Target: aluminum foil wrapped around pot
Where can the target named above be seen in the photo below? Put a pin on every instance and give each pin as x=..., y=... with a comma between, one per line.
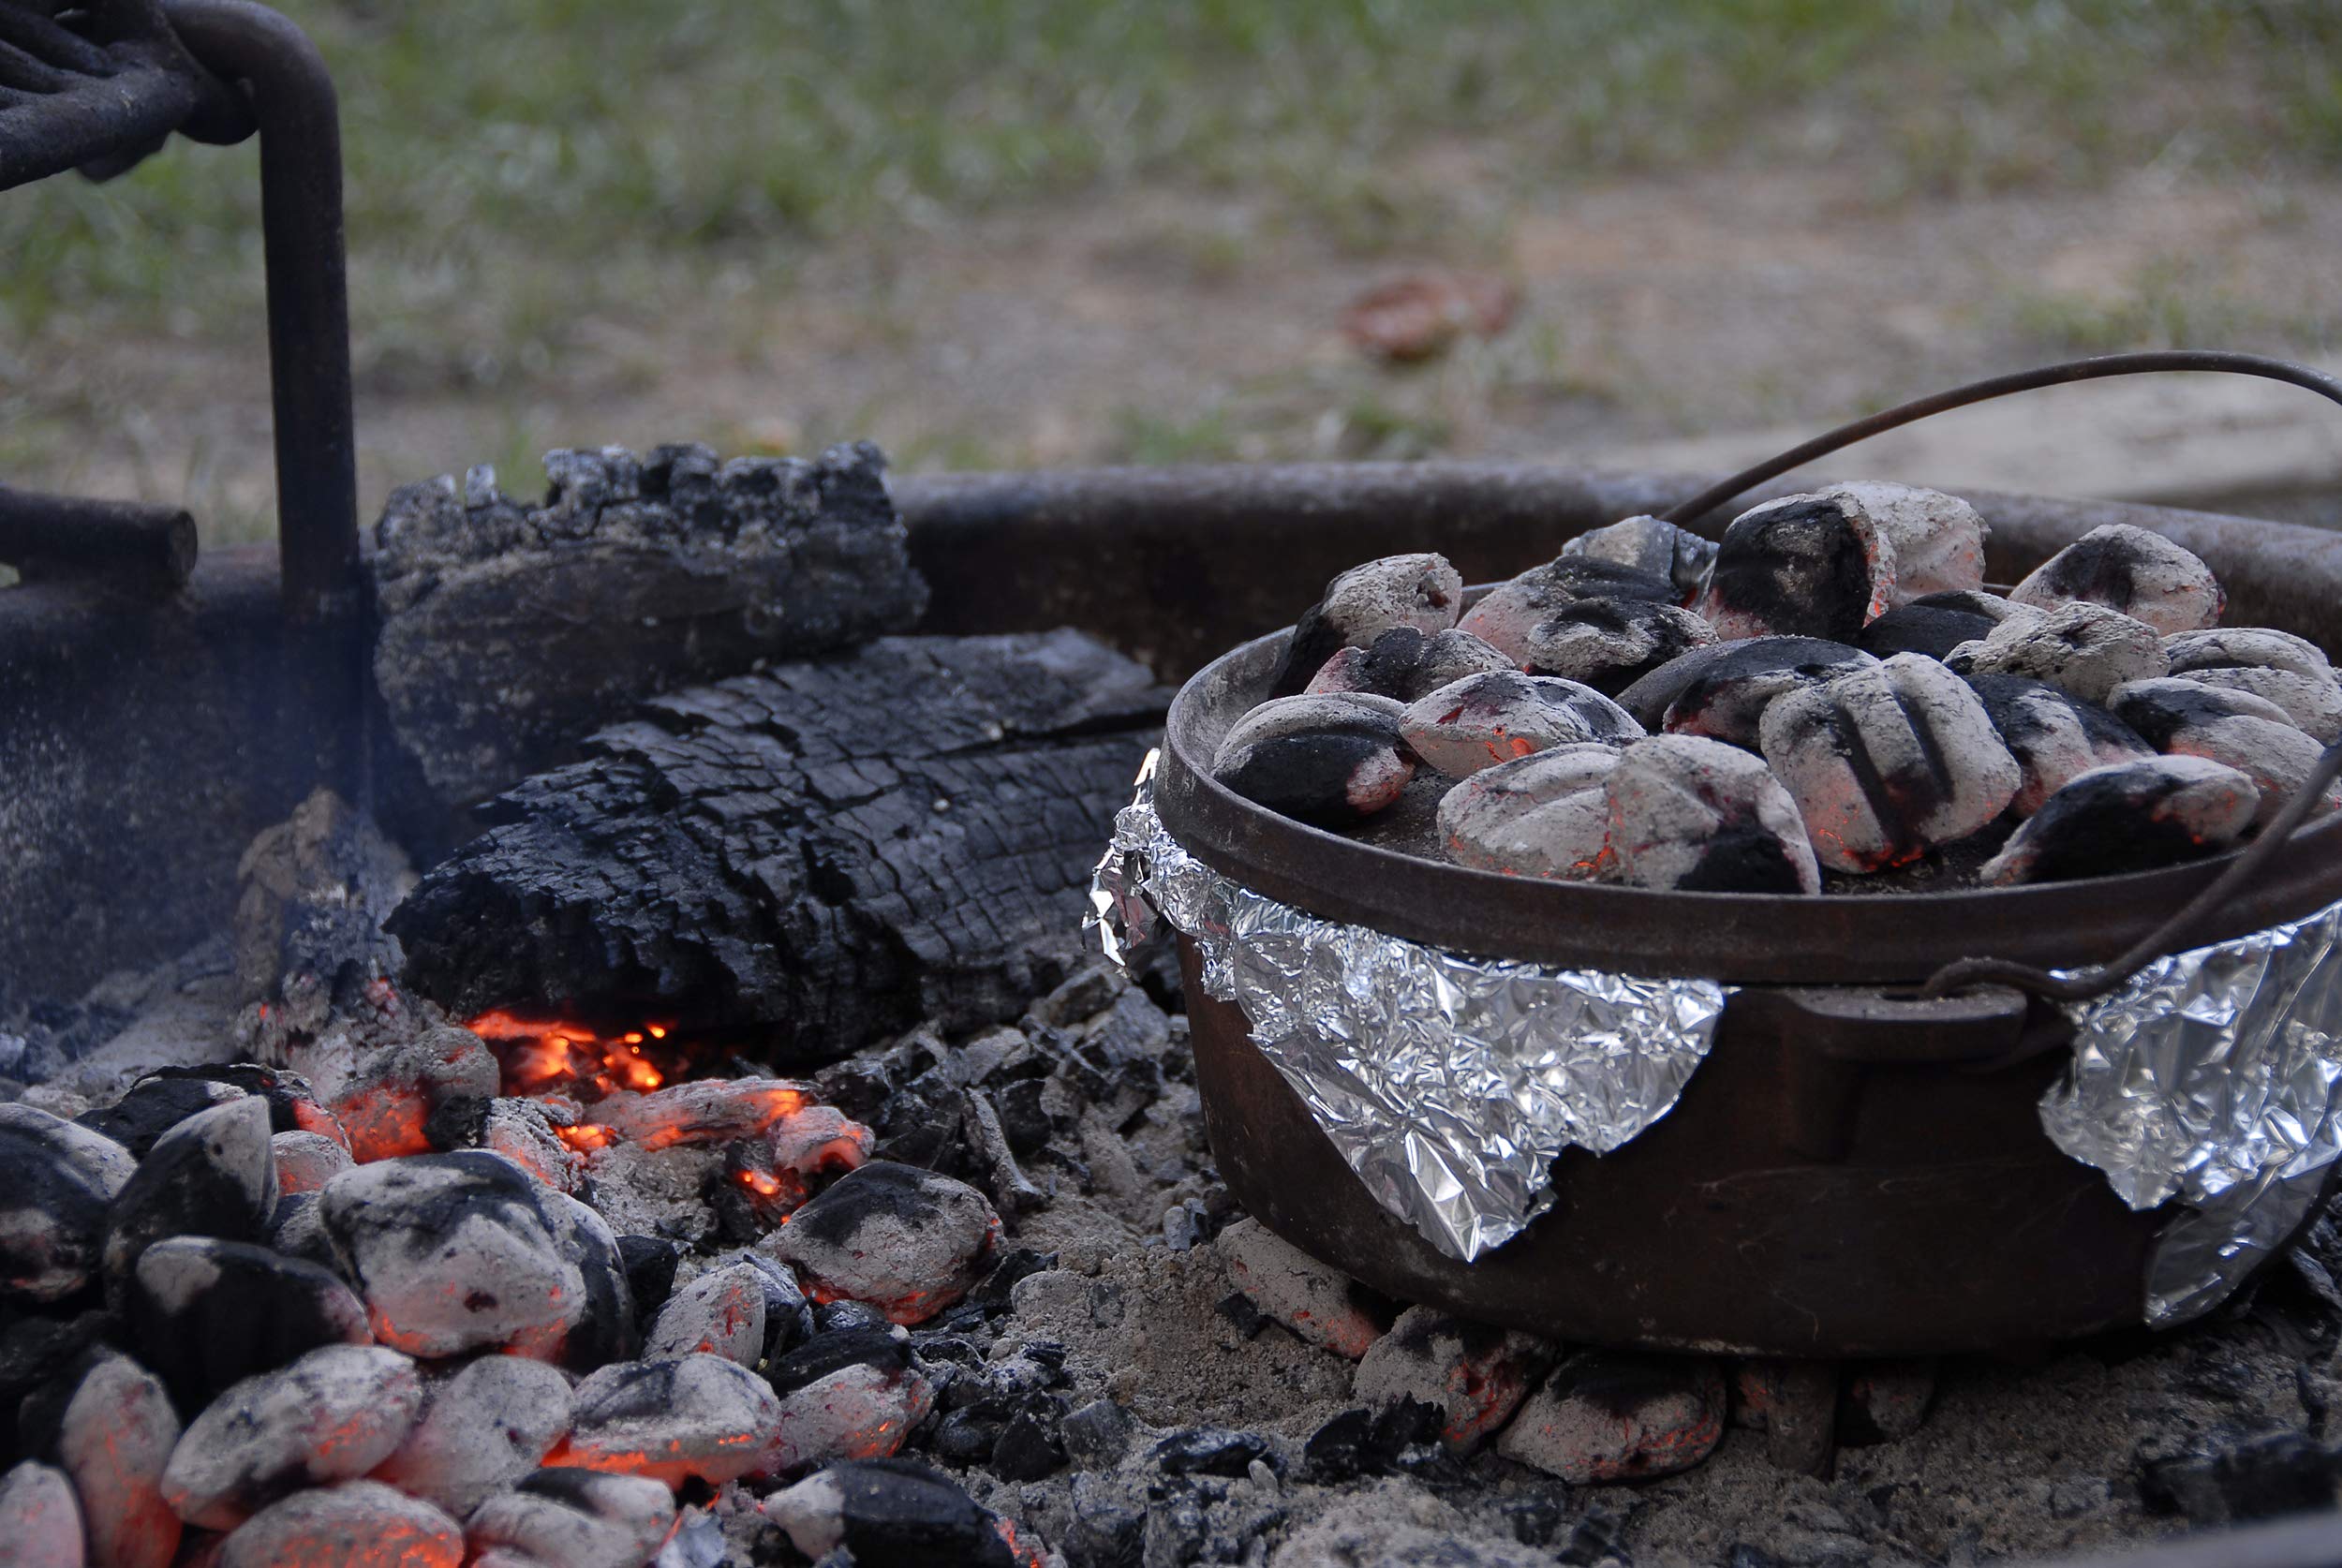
x=2213, y=1076
x=1448, y=1083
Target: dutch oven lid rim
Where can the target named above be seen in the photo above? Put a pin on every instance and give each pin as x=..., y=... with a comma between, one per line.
x=1736, y=938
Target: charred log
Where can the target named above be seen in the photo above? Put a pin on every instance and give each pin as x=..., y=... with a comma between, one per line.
x=511, y=632
x=820, y=853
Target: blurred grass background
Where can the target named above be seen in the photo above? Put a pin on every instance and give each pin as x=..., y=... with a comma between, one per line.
x=545, y=195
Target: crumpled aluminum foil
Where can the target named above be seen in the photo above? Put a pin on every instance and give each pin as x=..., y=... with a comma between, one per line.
x=1448, y=1083
x=2215, y=1076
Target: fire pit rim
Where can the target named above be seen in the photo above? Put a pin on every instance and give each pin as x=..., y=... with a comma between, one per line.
x=1736, y=937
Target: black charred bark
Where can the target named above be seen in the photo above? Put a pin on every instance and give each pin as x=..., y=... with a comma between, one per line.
x=814, y=855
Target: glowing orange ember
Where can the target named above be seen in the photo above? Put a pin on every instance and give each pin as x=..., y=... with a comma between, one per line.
x=550, y=1054
x=587, y=1137
x=763, y=1186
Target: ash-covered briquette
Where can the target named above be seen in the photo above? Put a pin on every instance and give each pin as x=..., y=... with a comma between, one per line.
x=2133, y=816
x=1403, y=664
x=1610, y=644
x=1722, y=691
x=1605, y=1417
x=1509, y=612
x=2054, y=735
x=1331, y=761
x=355, y=1524
x=463, y=1251
x=1888, y=763
x=1974, y=601
x=567, y=1517
x=2126, y=569
x=1924, y=628
x=689, y=1417
x=482, y=1429
x=2083, y=647
x=1542, y=815
x=1804, y=566
x=719, y=1313
x=1422, y=591
x=1698, y=816
x=208, y=1313
x=2244, y=648
x=1482, y=721
x=907, y=1241
x=57, y=1182
x=888, y=1514
x=109, y=1424
x=1652, y=545
x=2312, y=703
x=1476, y=1373
x=2180, y=716
x=386, y=1107
x=332, y=1415
x=41, y=1516
x=214, y=1174
x=1937, y=541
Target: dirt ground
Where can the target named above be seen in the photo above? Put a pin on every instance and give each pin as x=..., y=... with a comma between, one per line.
x=1157, y=324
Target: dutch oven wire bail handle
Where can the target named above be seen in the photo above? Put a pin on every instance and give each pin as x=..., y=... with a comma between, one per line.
x=2078, y=984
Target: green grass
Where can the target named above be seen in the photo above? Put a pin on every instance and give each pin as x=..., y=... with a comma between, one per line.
x=490, y=145
x=516, y=167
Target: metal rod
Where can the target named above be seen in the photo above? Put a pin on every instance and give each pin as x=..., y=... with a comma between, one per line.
x=2064, y=372
x=280, y=70
x=128, y=544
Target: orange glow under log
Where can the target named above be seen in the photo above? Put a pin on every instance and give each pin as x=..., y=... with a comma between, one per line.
x=545, y=1054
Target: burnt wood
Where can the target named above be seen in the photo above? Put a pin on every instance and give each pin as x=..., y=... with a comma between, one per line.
x=813, y=855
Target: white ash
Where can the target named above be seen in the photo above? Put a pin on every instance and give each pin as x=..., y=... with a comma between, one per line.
x=1610, y=644
x=358, y=1524
x=2054, y=735
x=482, y=1428
x=1482, y=721
x=2129, y=570
x=1649, y=544
x=1887, y=763
x=332, y=1415
x=57, y=1181
x=2085, y=648
x=1699, y=816
x=1802, y=566
x=1937, y=540
x=706, y=1111
x=1542, y=814
x=2184, y=716
x=1403, y=664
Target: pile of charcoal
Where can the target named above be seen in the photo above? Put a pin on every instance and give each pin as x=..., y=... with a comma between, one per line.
x=1827, y=695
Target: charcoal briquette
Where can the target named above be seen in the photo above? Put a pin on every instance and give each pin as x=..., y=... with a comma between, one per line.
x=332, y=1415
x=208, y=1313
x=1330, y=761
x=58, y=1182
x=213, y=1174
x=1482, y=721
x=2131, y=816
x=1804, y=566
x=1722, y=691
x=1403, y=664
x=1937, y=541
x=2083, y=647
x=1422, y=591
x=1610, y=644
x=2132, y=572
x=2054, y=735
x=2180, y=716
x=1924, y=628
x=1693, y=815
x=1650, y=545
x=1542, y=814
